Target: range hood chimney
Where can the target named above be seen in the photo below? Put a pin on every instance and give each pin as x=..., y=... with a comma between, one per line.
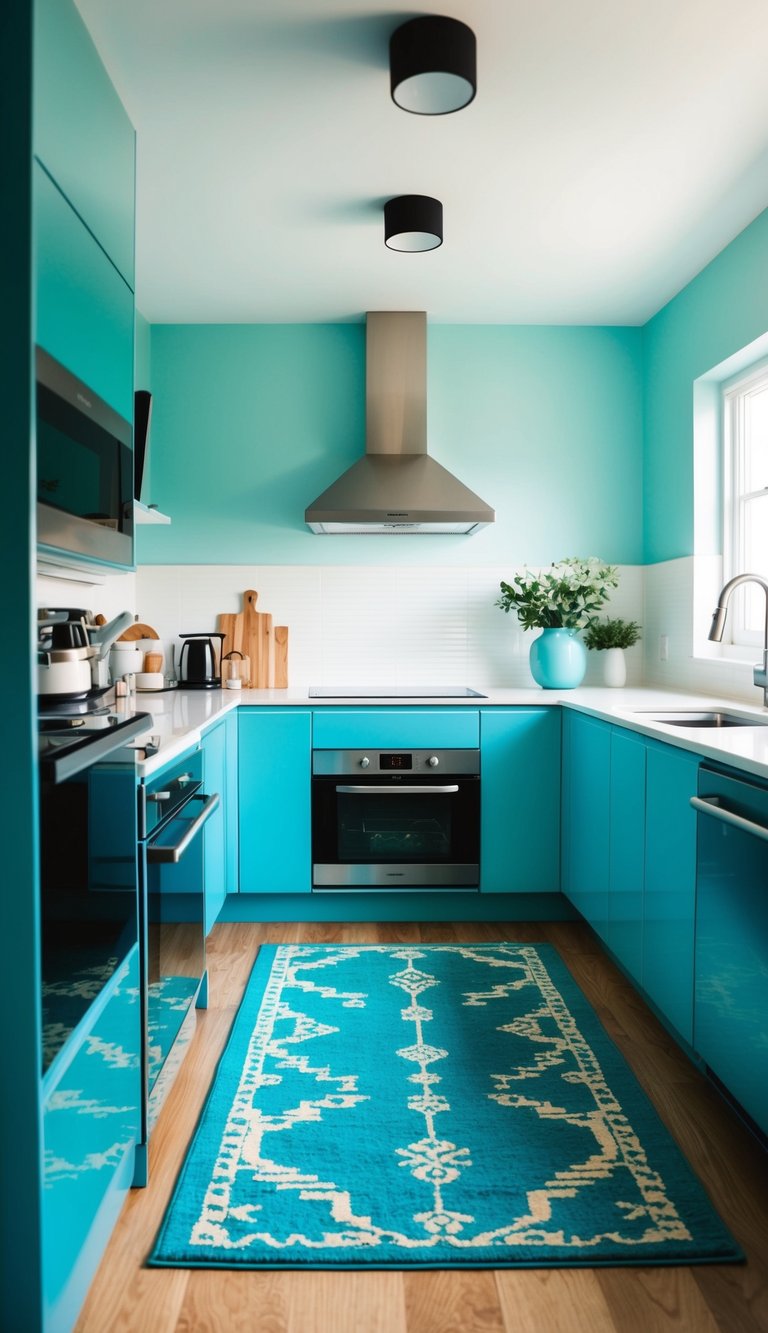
x=396, y=488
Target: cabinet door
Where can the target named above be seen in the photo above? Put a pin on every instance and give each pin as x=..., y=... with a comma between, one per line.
x=84, y=309
x=520, y=800
x=623, y=928
x=215, y=830
x=586, y=780
x=670, y=884
x=231, y=816
x=91, y=1106
x=274, y=765
x=82, y=133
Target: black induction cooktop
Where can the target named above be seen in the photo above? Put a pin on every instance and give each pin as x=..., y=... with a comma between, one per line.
x=390, y=692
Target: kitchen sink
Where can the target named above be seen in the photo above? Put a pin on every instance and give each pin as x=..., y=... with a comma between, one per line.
x=685, y=718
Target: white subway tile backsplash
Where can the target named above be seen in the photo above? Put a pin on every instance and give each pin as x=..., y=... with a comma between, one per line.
x=372, y=624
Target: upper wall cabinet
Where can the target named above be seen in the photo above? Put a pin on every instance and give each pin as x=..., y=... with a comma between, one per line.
x=83, y=308
x=82, y=134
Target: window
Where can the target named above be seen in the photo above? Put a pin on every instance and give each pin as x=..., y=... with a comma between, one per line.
x=745, y=497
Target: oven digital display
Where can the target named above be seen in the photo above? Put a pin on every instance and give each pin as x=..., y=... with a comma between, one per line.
x=395, y=761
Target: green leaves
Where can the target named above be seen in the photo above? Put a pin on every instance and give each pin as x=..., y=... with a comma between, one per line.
x=612, y=633
x=566, y=596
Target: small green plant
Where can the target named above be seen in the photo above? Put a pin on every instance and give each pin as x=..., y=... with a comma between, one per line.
x=566, y=596
x=612, y=634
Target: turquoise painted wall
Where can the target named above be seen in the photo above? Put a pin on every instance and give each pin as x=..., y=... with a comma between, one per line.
x=250, y=423
x=722, y=310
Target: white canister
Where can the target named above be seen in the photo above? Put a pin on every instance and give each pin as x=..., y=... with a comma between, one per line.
x=125, y=659
x=614, y=667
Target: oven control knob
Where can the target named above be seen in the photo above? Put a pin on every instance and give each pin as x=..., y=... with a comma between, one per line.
x=365, y=761
x=433, y=761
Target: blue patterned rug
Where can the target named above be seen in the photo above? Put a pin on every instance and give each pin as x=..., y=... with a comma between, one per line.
x=429, y=1106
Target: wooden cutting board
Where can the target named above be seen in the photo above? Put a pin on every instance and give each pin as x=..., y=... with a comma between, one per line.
x=258, y=642
x=281, y=657
x=232, y=626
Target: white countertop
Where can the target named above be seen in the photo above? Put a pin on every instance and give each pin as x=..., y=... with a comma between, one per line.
x=180, y=717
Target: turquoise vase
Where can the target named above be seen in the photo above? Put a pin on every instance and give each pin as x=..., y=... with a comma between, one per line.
x=558, y=659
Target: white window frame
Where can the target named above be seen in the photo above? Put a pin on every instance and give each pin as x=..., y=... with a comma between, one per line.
x=735, y=392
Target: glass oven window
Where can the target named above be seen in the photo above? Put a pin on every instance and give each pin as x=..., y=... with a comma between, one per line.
x=79, y=465
x=88, y=881
x=394, y=828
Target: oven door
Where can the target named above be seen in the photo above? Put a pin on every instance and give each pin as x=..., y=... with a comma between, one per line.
x=396, y=832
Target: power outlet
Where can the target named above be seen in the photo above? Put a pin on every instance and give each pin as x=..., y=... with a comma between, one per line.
x=663, y=647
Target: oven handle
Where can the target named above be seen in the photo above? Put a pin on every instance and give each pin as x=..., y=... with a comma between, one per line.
x=164, y=855
x=398, y=791
x=710, y=805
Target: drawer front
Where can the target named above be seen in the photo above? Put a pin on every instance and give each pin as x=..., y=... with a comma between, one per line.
x=406, y=728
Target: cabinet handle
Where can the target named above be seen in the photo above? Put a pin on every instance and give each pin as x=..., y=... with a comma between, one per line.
x=165, y=855
x=711, y=805
x=398, y=791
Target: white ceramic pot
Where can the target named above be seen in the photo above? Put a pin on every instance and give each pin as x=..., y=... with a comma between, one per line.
x=73, y=677
x=614, y=667
x=125, y=660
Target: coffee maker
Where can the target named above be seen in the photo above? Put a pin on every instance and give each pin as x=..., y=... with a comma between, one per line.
x=200, y=661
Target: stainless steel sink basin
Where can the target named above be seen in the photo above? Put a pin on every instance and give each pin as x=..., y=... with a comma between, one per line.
x=691, y=718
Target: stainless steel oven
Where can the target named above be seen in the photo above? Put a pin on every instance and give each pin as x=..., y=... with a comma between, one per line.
x=395, y=819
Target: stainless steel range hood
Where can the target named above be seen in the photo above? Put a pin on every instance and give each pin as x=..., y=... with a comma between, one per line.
x=396, y=488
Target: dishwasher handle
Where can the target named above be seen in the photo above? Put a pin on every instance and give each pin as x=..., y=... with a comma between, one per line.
x=172, y=855
x=712, y=805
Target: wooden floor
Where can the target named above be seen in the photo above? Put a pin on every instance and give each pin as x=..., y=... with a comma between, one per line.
x=128, y=1298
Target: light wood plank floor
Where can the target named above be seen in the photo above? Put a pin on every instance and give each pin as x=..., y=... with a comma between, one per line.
x=128, y=1298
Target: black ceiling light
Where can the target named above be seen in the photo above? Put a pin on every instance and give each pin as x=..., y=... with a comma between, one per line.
x=433, y=65
x=413, y=222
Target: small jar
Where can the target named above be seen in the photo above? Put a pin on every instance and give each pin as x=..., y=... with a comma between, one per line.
x=235, y=670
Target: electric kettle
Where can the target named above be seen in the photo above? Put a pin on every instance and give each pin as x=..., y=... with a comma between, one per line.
x=200, y=661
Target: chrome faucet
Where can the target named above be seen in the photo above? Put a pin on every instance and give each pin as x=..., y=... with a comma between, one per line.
x=760, y=673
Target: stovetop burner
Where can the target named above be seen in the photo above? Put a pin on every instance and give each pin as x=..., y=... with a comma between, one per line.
x=394, y=692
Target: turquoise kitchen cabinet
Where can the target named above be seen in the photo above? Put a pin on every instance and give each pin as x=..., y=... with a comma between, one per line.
x=398, y=728
x=731, y=953
x=622, y=929
x=91, y=1108
x=82, y=133
x=274, y=766
x=84, y=310
x=215, y=831
x=520, y=800
x=669, y=904
x=586, y=803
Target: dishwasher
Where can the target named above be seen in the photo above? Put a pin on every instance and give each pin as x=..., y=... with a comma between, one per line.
x=731, y=951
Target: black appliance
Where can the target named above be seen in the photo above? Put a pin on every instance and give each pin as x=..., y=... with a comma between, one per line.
x=396, y=820
x=84, y=471
x=88, y=862
x=173, y=810
x=200, y=661
x=142, y=415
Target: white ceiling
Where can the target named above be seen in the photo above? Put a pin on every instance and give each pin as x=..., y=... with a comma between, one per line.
x=613, y=148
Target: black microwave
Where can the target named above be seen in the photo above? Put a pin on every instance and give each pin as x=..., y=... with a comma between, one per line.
x=84, y=471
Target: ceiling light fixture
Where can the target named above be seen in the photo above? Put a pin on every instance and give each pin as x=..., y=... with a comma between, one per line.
x=433, y=65
x=413, y=222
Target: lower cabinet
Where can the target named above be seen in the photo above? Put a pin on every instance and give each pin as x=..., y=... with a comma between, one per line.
x=274, y=766
x=622, y=926
x=670, y=884
x=586, y=797
x=629, y=848
x=92, y=1109
x=520, y=800
x=220, y=836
